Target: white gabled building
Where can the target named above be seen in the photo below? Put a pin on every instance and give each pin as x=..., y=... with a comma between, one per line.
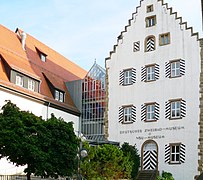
x=154, y=91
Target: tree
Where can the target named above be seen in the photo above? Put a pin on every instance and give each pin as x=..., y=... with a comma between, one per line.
x=129, y=150
x=105, y=162
x=48, y=148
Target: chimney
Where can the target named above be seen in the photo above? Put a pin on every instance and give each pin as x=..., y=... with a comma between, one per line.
x=23, y=38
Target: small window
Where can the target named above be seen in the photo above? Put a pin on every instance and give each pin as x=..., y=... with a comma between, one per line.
x=59, y=96
x=43, y=57
x=175, y=109
x=19, y=80
x=150, y=73
x=175, y=153
x=175, y=68
x=164, y=39
x=150, y=21
x=31, y=84
x=150, y=112
x=150, y=8
x=127, y=112
x=128, y=77
x=56, y=95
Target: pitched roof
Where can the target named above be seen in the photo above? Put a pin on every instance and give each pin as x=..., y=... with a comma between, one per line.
x=57, y=68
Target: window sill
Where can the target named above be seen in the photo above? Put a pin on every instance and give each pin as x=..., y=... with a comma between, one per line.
x=164, y=44
x=175, y=118
x=174, y=163
x=150, y=80
x=173, y=77
x=127, y=122
x=127, y=84
x=148, y=121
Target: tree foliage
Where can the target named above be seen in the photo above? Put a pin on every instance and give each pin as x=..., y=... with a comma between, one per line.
x=48, y=148
x=106, y=162
x=129, y=150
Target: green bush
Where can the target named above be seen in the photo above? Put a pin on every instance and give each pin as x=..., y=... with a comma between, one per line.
x=165, y=176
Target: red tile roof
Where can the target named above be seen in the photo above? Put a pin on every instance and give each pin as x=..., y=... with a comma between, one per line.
x=57, y=68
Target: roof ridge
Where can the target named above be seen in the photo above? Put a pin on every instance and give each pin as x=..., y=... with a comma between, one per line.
x=171, y=13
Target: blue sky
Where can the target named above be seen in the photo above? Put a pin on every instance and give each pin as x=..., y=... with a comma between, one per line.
x=83, y=30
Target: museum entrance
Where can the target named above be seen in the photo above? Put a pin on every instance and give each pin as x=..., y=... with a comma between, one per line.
x=149, y=155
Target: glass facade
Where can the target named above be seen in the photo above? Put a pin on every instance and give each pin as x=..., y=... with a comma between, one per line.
x=93, y=104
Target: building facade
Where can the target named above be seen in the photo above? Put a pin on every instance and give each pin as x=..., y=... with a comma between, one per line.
x=154, y=90
x=89, y=95
x=33, y=76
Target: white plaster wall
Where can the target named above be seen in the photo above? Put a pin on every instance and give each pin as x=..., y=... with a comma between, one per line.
x=39, y=110
x=182, y=46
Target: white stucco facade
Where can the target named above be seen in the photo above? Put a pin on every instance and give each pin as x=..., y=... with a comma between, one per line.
x=163, y=131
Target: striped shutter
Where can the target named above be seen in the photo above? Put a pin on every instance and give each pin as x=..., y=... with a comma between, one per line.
x=167, y=153
x=182, y=67
x=156, y=71
x=183, y=108
x=143, y=73
x=182, y=153
x=167, y=109
x=121, y=78
x=150, y=44
x=156, y=113
x=133, y=75
x=133, y=113
x=167, y=69
x=121, y=114
x=143, y=112
x=136, y=46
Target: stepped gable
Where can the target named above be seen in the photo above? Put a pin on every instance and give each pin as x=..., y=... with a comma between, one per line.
x=133, y=16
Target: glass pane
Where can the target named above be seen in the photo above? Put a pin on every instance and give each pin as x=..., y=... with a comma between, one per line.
x=173, y=157
x=177, y=157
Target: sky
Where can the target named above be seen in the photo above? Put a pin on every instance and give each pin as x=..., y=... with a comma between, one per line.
x=83, y=30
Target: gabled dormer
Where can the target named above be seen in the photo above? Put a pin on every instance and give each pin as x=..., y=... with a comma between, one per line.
x=41, y=54
x=21, y=77
x=55, y=87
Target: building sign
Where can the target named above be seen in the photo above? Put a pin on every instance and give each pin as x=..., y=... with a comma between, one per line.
x=151, y=131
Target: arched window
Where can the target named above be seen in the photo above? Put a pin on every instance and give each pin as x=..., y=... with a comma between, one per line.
x=150, y=43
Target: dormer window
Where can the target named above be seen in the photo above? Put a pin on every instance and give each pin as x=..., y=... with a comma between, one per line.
x=59, y=95
x=41, y=55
